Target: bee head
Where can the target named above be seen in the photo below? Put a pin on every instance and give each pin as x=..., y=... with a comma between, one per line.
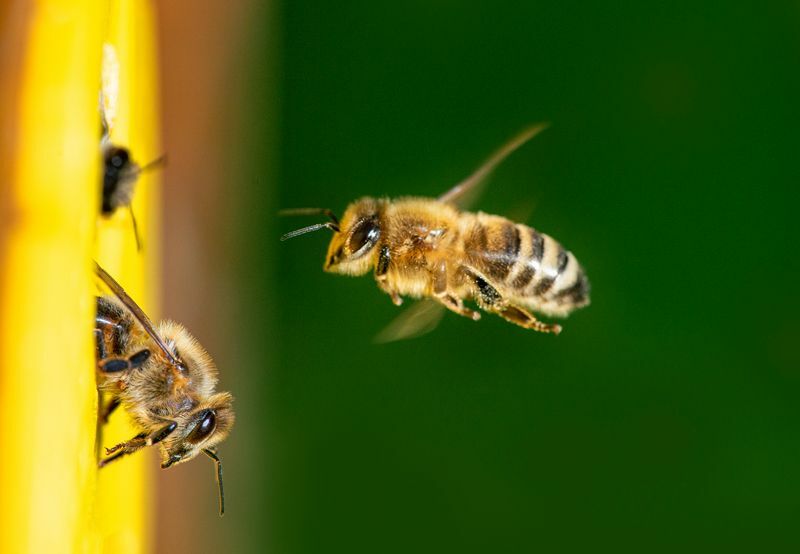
x=352, y=250
x=118, y=170
x=199, y=430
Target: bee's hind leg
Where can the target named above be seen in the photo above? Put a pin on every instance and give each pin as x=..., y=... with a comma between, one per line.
x=492, y=301
x=523, y=318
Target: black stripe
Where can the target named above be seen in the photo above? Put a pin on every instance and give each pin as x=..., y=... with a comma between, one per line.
x=521, y=281
x=512, y=242
x=501, y=265
x=577, y=292
x=101, y=344
x=116, y=339
x=562, y=260
x=476, y=242
x=537, y=251
x=543, y=286
x=138, y=359
x=537, y=248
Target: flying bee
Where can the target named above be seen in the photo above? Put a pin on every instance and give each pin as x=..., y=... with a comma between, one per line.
x=165, y=381
x=428, y=248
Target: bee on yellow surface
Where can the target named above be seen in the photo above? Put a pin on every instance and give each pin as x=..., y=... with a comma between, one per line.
x=428, y=248
x=163, y=378
x=120, y=174
x=120, y=171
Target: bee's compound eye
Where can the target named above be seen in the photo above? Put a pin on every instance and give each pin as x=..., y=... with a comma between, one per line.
x=204, y=428
x=364, y=236
x=118, y=158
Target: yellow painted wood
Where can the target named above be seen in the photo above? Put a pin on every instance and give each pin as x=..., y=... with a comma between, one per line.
x=53, y=498
x=49, y=186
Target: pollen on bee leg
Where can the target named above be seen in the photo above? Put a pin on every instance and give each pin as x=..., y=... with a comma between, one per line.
x=396, y=299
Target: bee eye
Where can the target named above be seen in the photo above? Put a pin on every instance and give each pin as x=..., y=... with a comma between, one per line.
x=118, y=158
x=364, y=236
x=204, y=428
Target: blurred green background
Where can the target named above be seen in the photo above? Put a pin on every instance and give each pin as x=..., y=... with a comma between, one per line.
x=663, y=417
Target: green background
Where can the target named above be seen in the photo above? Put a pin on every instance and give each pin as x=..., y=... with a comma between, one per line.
x=665, y=416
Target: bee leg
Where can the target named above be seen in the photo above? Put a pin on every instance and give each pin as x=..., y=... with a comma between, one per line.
x=455, y=304
x=124, y=448
x=396, y=298
x=523, y=318
x=442, y=295
x=137, y=443
x=108, y=409
x=115, y=365
x=382, y=267
x=381, y=271
x=491, y=301
x=159, y=435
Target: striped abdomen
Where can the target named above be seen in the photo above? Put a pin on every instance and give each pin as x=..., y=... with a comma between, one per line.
x=526, y=265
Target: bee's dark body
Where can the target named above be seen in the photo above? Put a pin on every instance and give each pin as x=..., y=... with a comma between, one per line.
x=119, y=177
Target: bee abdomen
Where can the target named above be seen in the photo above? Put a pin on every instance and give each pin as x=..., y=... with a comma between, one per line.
x=530, y=265
x=493, y=245
x=545, y=270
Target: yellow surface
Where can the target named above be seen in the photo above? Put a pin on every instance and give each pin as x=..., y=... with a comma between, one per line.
x=53, y=499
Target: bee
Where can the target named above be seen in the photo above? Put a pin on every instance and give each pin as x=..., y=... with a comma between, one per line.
x=429, y=248
x=120, y=174
x=120, y=171
x=165, y=381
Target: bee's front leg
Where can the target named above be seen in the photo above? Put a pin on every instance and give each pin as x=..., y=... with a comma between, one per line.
x=124, y=448
x=137, y=443
x=382, y=275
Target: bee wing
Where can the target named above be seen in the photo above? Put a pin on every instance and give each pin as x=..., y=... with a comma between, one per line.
x=137, y=312
x=469, y=188
x=419, y=319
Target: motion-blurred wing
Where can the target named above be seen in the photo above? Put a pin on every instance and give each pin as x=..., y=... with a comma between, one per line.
x=419, y=319
x=468, y=189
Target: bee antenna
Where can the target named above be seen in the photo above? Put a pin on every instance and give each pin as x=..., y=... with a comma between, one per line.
x=312, y=211
x=211, y=454
x=158, y=162
x=311, y=228
x=135, y=229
